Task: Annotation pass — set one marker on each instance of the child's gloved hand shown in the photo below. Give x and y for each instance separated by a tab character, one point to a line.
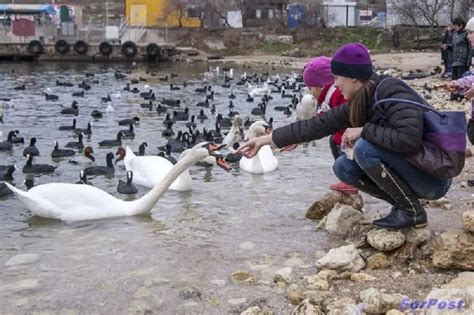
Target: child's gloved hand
451	86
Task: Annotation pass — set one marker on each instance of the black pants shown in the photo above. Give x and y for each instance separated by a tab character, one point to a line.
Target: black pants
335	148
458	71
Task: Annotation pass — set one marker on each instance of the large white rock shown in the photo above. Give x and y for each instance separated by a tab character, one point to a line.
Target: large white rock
341	219
468	221
342	258
385	240
377	302
454	249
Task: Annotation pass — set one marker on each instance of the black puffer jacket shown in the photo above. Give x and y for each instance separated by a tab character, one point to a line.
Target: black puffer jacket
396	126
460	48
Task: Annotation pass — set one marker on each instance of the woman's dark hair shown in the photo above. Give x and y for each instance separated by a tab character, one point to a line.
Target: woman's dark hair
459	21
360	102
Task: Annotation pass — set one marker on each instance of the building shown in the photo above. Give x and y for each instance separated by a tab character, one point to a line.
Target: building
340	13
167	13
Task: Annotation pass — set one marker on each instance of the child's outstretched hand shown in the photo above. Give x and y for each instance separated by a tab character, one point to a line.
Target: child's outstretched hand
451	86
250	148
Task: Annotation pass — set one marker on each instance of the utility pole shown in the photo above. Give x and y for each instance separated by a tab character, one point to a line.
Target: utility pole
106	12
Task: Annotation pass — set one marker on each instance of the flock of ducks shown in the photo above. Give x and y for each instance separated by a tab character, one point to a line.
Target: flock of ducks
194	143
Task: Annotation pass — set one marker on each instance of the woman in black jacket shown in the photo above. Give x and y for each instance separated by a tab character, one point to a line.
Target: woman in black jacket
386	141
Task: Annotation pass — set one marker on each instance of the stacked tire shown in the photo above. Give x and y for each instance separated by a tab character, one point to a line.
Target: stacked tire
129	49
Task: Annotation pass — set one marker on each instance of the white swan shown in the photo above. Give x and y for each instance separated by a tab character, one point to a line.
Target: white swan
264	161
258	91
306	108
151	170
72	202
235	133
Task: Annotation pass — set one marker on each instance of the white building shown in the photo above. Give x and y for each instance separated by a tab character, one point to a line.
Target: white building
340	13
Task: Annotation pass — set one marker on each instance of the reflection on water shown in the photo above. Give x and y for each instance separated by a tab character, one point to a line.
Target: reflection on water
230	221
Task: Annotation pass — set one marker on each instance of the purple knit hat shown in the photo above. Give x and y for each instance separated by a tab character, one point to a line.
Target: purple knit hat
317	72
352	61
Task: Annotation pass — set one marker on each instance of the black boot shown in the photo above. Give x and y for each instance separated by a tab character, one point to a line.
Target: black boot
408	211
368	186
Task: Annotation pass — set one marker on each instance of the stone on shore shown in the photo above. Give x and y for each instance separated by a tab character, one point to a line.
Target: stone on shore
454	249
326	203
345	258
385	240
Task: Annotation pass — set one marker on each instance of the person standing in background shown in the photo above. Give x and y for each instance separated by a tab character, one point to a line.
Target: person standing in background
460	50
445	52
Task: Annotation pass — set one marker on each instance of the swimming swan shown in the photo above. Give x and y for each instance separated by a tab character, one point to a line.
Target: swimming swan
71	202
264	161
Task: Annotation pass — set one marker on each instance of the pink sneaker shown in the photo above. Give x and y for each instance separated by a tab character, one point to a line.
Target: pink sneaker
344	188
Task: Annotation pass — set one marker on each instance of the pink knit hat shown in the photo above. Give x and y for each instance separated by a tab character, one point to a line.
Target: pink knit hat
318	72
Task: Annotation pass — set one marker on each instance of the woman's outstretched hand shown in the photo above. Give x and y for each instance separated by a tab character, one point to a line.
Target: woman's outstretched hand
250	148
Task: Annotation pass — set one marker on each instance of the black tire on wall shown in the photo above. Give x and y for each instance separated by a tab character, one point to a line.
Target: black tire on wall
105	48
153	50
129	49
35	47
81	47
61	47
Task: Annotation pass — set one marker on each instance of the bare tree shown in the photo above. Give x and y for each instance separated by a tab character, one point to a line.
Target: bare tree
421	12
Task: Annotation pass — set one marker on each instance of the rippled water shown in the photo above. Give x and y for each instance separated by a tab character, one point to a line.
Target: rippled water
230	221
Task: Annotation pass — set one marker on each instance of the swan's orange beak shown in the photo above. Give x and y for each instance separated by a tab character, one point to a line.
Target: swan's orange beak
221	162
212	147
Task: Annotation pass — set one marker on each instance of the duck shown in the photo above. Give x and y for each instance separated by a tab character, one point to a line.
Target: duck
126	122
135	90
83	85
236	132
288	111
171	102
112	143
167	154
8	144
259	110
148	105
31	168
85	131
210	96
164	79
16	138
201	90
167	119
106	99
71	127
31	149
203	104
181	116
86	158
232	113
223	121
73	110
1	116
141	149
233	156
160	109
60	153
4	190
51	97
127	87
192	123
83	179
177	144
306	108
6	172
20	88
201	115
127	188
97	113
71	202
76	144
249	99
29	183
129	133
168	132
150	97
264	161
174	88
102	170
